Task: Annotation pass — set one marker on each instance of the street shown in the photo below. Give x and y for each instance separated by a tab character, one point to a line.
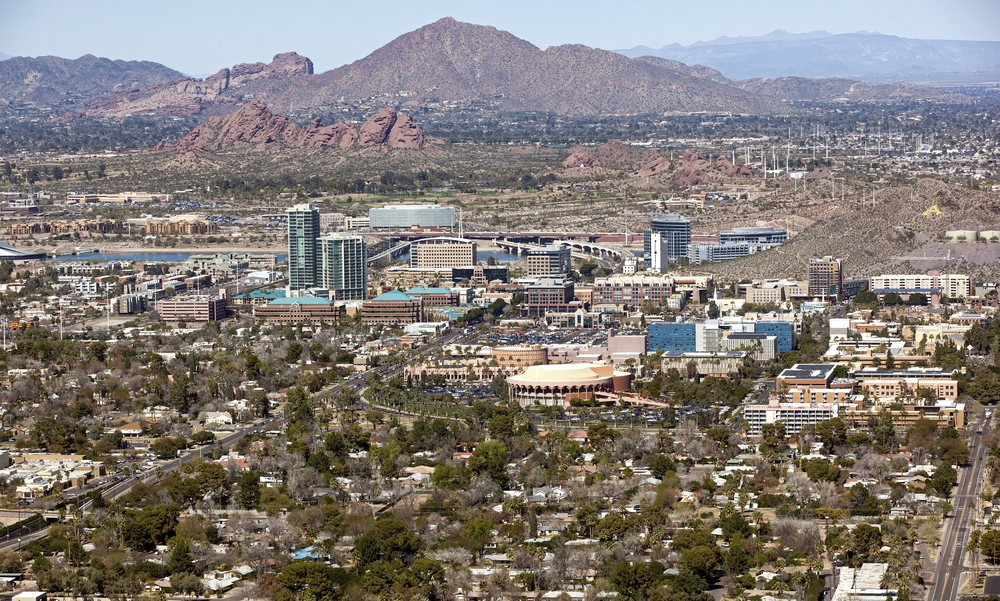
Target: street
947	573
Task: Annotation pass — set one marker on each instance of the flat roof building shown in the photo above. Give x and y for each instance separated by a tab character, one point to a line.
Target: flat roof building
551	260
806	375
296	310
192	308
344	266
442	253
393	308
303	255
407	216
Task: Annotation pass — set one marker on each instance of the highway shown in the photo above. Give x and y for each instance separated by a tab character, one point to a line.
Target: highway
949	568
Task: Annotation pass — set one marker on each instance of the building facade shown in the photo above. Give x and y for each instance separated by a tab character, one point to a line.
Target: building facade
344	266
290	311
406	216
826	276
392	308
303	258
553	260
628	292
547	295
672	337
953	285
192	308
676	232
442	253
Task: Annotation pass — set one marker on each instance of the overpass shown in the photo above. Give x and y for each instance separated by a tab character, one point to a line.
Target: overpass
539	237
578	248
390	253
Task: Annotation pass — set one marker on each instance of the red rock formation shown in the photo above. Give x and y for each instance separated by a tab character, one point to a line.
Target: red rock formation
579	159
375	130
253	124
257	126
657	165
318	135
405	133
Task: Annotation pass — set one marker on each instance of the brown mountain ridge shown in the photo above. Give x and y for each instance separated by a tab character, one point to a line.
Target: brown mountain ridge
449	60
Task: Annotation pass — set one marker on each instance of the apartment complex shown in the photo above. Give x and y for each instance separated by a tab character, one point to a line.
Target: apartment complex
344	266
442	253
826	276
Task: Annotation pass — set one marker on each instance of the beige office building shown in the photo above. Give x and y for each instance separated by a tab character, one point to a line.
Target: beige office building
442	253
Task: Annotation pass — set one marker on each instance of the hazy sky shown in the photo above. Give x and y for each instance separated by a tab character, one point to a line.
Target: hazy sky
202	36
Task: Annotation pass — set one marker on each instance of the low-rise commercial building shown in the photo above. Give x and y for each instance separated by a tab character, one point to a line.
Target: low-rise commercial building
192	308
296	310
442	253
393	308
889	384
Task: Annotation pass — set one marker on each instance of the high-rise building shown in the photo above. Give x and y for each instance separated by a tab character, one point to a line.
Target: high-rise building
659	252
676	233
344	266
551	260
826	277
303	258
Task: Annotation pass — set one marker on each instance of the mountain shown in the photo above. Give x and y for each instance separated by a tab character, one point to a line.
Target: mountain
824	55
836	89
256	127
186	95
50	80
4	57
453	61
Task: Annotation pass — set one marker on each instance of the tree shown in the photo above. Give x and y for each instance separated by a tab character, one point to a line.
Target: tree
945	478
480	532
185	583
701	560
181	560
833	433
490	459
611	527
736	560
388	540
323	582
167	447
631	580
892	299
712	310
989	544
249	484
293	353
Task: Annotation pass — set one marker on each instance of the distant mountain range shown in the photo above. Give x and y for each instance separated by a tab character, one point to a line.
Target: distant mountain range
449	61
50	80
822	54
3	56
